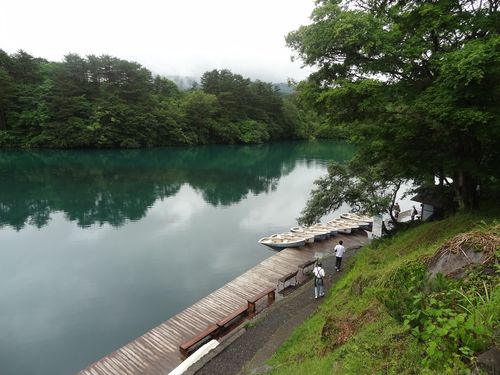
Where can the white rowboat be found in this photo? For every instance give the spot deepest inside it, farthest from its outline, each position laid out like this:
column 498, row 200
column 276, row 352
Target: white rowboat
column 294, row 236
column 333, row 231
column 318, row 234
column 281, row 243
column 344, row 223
column 358, row 218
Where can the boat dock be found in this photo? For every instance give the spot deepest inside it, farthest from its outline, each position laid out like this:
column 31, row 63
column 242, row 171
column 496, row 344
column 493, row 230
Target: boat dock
column 157, row 351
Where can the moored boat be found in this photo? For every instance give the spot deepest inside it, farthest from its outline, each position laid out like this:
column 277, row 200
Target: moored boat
column 318, row 234
column 281, row 243
column 357, row 217
column 344, row 223
column 360, row 224
column 353, row 223
column 333, row 231
column 336, row 228
column 308, row 237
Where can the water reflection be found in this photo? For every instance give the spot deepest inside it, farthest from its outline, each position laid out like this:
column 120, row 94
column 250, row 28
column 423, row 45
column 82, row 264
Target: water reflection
column 131, row 238
column 116, row 186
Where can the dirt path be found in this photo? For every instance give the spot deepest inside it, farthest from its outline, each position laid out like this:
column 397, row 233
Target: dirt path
column 246, row 352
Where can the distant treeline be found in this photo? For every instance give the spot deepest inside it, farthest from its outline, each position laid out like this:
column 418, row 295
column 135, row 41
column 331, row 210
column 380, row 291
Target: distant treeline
column 103, row 101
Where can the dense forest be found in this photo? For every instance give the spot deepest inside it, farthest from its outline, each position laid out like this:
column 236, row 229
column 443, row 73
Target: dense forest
column 103, row 101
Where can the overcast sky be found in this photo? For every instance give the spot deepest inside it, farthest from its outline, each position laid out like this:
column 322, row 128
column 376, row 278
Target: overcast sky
column 169, row 37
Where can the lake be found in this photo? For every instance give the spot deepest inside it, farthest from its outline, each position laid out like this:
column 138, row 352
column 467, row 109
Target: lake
column 98, row 247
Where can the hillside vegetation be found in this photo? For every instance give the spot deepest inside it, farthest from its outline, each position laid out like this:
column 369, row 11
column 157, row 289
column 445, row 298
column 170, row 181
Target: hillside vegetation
column 107, row 102
column 386, row 316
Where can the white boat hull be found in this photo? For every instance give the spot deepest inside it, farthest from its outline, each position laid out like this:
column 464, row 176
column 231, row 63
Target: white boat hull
column 327, row 228
column 318, row 235
column 360, row 224
column 282, row 243
column 346, row 231
column 359, row 218
column 344, row 224
column 308, row 237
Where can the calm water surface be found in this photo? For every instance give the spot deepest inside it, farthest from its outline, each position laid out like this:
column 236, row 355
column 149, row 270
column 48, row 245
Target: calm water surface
column 97, row 247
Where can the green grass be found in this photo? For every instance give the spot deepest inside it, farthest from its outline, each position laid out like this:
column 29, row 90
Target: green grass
column 353, row 332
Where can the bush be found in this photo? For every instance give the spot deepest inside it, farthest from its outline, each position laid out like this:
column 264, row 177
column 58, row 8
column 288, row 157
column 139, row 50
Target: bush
column 450, row 317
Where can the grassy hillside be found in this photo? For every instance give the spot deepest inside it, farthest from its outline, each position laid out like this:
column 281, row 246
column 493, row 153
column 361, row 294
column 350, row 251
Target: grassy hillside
column 386, row 316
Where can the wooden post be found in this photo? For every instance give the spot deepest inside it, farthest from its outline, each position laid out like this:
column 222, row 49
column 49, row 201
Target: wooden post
column 270, row 297
column 251, row 309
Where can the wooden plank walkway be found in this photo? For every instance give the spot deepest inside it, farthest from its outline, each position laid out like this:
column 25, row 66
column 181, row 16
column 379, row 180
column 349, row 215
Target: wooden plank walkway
column 157, row 351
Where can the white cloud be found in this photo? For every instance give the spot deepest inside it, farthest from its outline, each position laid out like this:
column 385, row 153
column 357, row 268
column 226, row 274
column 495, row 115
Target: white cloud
column 177, row 211
column 185, row 37
column 274, row 207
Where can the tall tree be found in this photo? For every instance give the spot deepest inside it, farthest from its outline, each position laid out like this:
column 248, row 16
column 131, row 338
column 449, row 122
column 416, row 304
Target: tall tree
column 414, row 82
column 232, row 91
column 165, row 87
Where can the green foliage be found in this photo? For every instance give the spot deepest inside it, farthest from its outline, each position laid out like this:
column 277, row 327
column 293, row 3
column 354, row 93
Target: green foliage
column 362, row 187
column 103, row 101
column 165, row 87
column 252, row 131
column 453, row 319
column 240, row 100
column 452, row 332
column 399, row 320
column 400, row 289
column 414, row 84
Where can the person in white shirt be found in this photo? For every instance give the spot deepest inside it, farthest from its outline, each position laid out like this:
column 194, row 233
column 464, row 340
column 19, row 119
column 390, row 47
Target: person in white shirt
column 339, row 253
column 319, row 274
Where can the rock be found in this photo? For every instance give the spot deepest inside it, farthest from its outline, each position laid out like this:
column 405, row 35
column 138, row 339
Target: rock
column 454, row 264
column 489, row 361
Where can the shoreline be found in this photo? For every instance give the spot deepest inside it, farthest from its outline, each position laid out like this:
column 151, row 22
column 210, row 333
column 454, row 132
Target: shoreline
column 249, row 349
column 157, row 351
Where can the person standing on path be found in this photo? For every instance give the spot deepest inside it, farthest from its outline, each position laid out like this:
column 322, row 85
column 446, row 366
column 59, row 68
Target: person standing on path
column 319, row 274
column 339, row 253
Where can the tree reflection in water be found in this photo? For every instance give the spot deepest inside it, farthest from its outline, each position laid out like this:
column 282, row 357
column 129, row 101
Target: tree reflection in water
column 115, row 186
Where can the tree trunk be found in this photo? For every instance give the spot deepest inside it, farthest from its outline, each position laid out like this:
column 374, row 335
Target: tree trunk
column 393, row 218
column 393, row 202
column 466, row 190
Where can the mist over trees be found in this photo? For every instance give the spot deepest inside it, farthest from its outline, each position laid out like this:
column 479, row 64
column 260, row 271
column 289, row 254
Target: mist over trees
column 103, row 102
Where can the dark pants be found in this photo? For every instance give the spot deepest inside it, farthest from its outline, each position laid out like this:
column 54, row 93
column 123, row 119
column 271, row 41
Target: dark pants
column 337, row 262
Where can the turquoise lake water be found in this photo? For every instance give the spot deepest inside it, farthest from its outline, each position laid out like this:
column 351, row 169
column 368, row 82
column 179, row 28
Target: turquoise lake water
column 97, row 247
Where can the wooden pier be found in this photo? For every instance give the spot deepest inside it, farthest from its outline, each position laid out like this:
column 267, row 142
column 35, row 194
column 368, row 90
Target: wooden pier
column 157, row 351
